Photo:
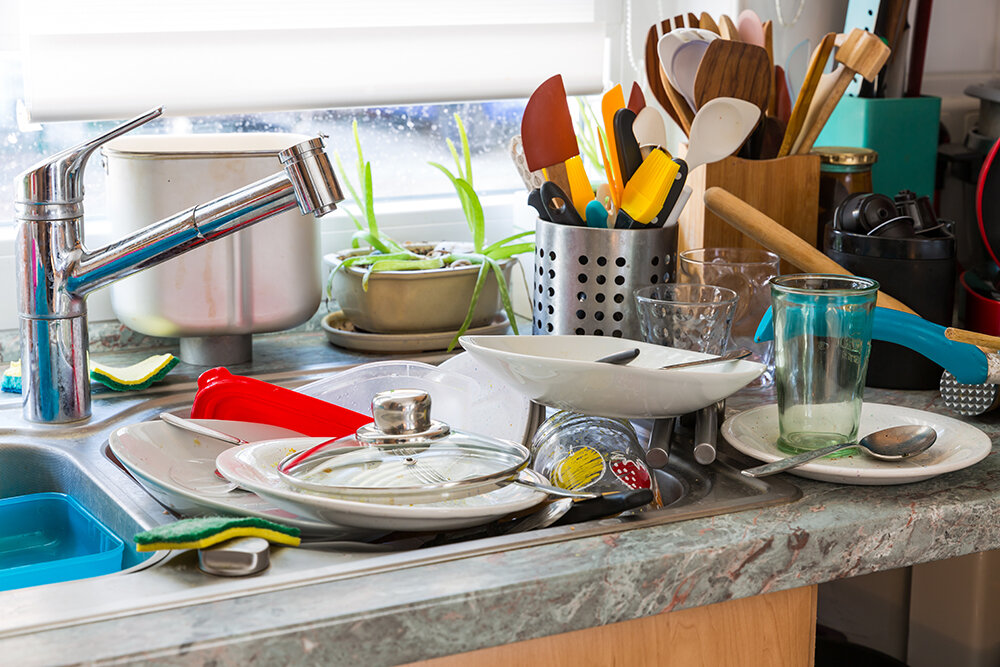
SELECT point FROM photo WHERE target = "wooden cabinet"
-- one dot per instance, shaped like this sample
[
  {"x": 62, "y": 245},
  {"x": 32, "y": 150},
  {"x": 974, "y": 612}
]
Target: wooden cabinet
[{"x": 771, "y": 630}]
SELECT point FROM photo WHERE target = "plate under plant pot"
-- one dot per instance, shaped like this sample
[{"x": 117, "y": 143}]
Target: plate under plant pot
[
  {"x": 342, "y": 332},
  {"x": 414, "y": 302}
]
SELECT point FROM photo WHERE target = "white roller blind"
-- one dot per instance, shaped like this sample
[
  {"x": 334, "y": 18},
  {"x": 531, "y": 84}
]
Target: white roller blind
[{"x": 94, "y": 59}]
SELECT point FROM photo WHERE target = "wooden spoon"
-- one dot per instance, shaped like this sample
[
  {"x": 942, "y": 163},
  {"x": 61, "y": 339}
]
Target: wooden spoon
[
  {"x": 801, "y": 107},
  {"x": 733, "y": 69},
  {"x": 653, "y": 70},
  {"x": 861, "y": 53},
  {"x": 706, "y": 22},
  {"x": 728, "y": 29},
  {"x": 772, "y": 97}
]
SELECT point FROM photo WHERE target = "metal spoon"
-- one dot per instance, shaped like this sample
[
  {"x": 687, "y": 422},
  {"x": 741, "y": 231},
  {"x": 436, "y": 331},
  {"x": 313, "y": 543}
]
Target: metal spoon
[
  {"x": 890, "y": 444},
  {"x": 194, "y": 427},
  {"x": 733, "y": 355}
]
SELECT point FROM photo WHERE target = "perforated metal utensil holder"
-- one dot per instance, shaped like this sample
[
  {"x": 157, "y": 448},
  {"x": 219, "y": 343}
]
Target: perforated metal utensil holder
[{"x": 585, "y": 277}]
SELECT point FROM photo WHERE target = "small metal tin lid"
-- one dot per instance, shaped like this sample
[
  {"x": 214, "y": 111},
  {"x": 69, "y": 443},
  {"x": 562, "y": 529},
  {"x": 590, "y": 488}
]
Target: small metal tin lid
[
  {"x": 846, "y": 156},
  {"x": 239, "y": 557}
]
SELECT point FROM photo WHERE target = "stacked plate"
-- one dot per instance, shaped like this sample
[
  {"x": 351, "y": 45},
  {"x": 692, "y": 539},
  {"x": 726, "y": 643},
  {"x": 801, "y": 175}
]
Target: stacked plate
[{"x": 178, "y": 468}]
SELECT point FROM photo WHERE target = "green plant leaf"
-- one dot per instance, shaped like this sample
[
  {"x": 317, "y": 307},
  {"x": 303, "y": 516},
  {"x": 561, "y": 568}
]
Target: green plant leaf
[
  {"x": 354, "y": 219},
  {"x": 372, "y": 241},
  {"x": 494, "y": 246},
  {"x": 347, "y": 181},
  {"x": 454, "y": 156},
  {"x": 370, "y": 201},
  {"x": 470, "y": 206},
  {"x": 484, "y": 270},
  {"x": 506, "y": 252},
  {"x": 360, "y": 165},
  {"x": 466, "y": 153},
  {"x": 364, "y": 279},
  {"x": 504, "y": 294},
  {"x": 407, "y": 264}
]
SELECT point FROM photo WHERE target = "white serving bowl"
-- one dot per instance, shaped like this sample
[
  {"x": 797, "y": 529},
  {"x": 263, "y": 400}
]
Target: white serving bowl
[{"x": 561, "y": 372}]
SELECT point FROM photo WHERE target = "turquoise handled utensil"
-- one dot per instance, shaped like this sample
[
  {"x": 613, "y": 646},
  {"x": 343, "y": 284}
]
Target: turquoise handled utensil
[{"x": 967, "y": 363}]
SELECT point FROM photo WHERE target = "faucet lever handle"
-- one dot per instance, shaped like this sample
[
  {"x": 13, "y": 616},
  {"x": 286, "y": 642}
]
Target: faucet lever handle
[{"x": 59, "y": 178}]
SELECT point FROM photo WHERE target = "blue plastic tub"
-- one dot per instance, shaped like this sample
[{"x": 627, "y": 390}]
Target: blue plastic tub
[{"x": 50, "y": 537}]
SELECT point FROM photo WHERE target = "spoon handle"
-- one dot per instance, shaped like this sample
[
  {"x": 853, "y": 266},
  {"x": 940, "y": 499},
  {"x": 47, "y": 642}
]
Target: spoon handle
[
  {"x": 794, "y": 461},
  {"x": 194, "y": 427}
]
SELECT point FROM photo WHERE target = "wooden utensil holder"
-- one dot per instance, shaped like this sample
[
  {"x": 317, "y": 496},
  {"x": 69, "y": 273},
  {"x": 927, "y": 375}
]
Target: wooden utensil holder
[{"x": 786, "y": 189}]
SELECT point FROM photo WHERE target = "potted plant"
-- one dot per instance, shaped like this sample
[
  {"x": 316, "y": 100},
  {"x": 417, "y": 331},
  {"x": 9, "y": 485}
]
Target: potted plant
[{"x": 391, "y": 287}]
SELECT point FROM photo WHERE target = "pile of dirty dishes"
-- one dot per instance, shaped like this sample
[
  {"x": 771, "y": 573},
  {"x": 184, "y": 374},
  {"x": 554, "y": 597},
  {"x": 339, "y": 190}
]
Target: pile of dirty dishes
[{"x": 180, "y": 469}]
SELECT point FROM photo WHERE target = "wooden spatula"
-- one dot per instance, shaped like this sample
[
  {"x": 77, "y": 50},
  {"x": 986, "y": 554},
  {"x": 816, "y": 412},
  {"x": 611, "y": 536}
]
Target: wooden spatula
[
  {"x": 801, "y": 107},
  {"x": 549, "y": 141},
  {"x": 733, "y": 69},
  {"x": 653, "y": 70},
  {"x": 861, "y": 53}
]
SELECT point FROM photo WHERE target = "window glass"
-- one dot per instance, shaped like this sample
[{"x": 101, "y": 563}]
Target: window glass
[{"x": 398, "y": 141}]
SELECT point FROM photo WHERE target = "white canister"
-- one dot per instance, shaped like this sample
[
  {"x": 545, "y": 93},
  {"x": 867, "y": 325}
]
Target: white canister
[{"x": 266, "y": 278}]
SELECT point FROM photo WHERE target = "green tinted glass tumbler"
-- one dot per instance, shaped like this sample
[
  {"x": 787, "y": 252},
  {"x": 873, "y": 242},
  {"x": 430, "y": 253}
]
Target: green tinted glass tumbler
[{"x": 822, "y": 338}]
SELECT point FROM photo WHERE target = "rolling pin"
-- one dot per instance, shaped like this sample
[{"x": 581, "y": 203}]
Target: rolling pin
[
  {"x": 766, "y": 231},
  {"x": 966, "y": 399}
]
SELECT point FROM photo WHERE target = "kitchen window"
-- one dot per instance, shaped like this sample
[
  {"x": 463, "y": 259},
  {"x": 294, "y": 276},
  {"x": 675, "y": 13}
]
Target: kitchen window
[{"x": 399, "y": 68}]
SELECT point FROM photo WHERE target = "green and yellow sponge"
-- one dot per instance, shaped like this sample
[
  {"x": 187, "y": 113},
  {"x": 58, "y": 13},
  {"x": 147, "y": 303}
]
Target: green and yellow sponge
[
  {"x": 120, "y": 378},
  {"x": 135, "y": 377},
  {"x": 207, "y": 531}
]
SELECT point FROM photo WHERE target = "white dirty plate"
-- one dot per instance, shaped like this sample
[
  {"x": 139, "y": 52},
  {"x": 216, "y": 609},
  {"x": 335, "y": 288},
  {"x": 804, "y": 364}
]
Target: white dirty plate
[
  {"x": 562, "y": 372},
  {"x": 177, "y": 468},
  {"x": 958, "y": 445},
  {"x": 254, "y": 467}
]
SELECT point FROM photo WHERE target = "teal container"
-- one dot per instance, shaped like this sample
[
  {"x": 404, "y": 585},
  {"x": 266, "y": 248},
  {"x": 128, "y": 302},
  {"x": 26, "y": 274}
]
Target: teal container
[
  {"x": 49, "y": 537},
  {"x": 904, "y": 131}
]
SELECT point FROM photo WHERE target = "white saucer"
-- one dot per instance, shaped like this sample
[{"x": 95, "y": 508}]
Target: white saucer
[
  {"x": 340, "y": 331},
  {"x": 254, "y": 467},
  {"x": 177, "y": 468},
  {"x": 958, "y": 445}
]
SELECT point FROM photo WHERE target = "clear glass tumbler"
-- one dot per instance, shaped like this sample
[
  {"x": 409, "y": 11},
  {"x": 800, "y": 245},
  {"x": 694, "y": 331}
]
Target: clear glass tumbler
[
  {"x": 687, "y": 317},
  {"x": 822, "y": 337},
  {"x": 746, "y": 271}
]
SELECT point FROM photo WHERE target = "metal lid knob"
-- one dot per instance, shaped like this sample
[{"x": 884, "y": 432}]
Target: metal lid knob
[{"x": 402, "y": 415}]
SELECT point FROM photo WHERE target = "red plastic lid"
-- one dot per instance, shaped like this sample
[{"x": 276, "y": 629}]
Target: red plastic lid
[{"x": 222, "y": 395}]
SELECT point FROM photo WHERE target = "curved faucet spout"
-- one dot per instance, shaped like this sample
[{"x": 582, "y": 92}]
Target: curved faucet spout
[{"x": 55, "y": 272}]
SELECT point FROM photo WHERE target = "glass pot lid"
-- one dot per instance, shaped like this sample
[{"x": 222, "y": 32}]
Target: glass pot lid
[{"x": 405, "y": 457}]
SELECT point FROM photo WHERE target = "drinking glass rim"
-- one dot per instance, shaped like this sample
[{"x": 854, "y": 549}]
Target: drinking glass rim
[
  {"x": 772, "y": 259},
  {"x": 781, "y": 283},
  {"x": 729, "y": 296}
]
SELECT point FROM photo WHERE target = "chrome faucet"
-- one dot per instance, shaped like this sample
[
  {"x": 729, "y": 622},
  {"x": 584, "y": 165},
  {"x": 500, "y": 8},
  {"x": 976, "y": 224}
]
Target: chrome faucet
[{"x": 55, "y": 272}]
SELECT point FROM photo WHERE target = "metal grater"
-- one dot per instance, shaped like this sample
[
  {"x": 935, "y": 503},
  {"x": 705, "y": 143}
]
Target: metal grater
[
  {"x": 970, "y": 400},
  {"x": 585, "y": 277}
]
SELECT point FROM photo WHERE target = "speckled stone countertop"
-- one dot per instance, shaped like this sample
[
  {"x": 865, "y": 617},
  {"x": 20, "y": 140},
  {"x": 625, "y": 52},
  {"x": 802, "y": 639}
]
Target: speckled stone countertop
[{"x": 833, "y": 531}]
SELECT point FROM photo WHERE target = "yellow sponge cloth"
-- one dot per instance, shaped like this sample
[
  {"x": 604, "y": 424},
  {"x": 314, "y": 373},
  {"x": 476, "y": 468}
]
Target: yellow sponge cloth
[
  {"x": 205, "y": 531},
  {"x": 120, "y": 378},
  {"x": 137, "y": 376}
]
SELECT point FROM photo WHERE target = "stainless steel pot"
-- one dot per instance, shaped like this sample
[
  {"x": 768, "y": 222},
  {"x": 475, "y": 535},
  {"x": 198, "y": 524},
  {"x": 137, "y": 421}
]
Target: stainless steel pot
[{"x": 264, "y": 279}]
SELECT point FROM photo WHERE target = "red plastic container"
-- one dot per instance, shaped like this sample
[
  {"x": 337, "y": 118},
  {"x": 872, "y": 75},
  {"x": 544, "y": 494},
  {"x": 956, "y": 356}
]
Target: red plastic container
[{"x": 222, "y": 395}]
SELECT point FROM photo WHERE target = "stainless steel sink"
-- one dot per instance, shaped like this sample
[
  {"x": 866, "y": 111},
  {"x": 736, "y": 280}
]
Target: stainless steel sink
[{"x": 75, "y": 460}]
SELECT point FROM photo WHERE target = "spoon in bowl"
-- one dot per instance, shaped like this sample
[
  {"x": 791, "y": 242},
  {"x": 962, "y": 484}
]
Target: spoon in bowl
[{"x": 891, "y": 444}]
